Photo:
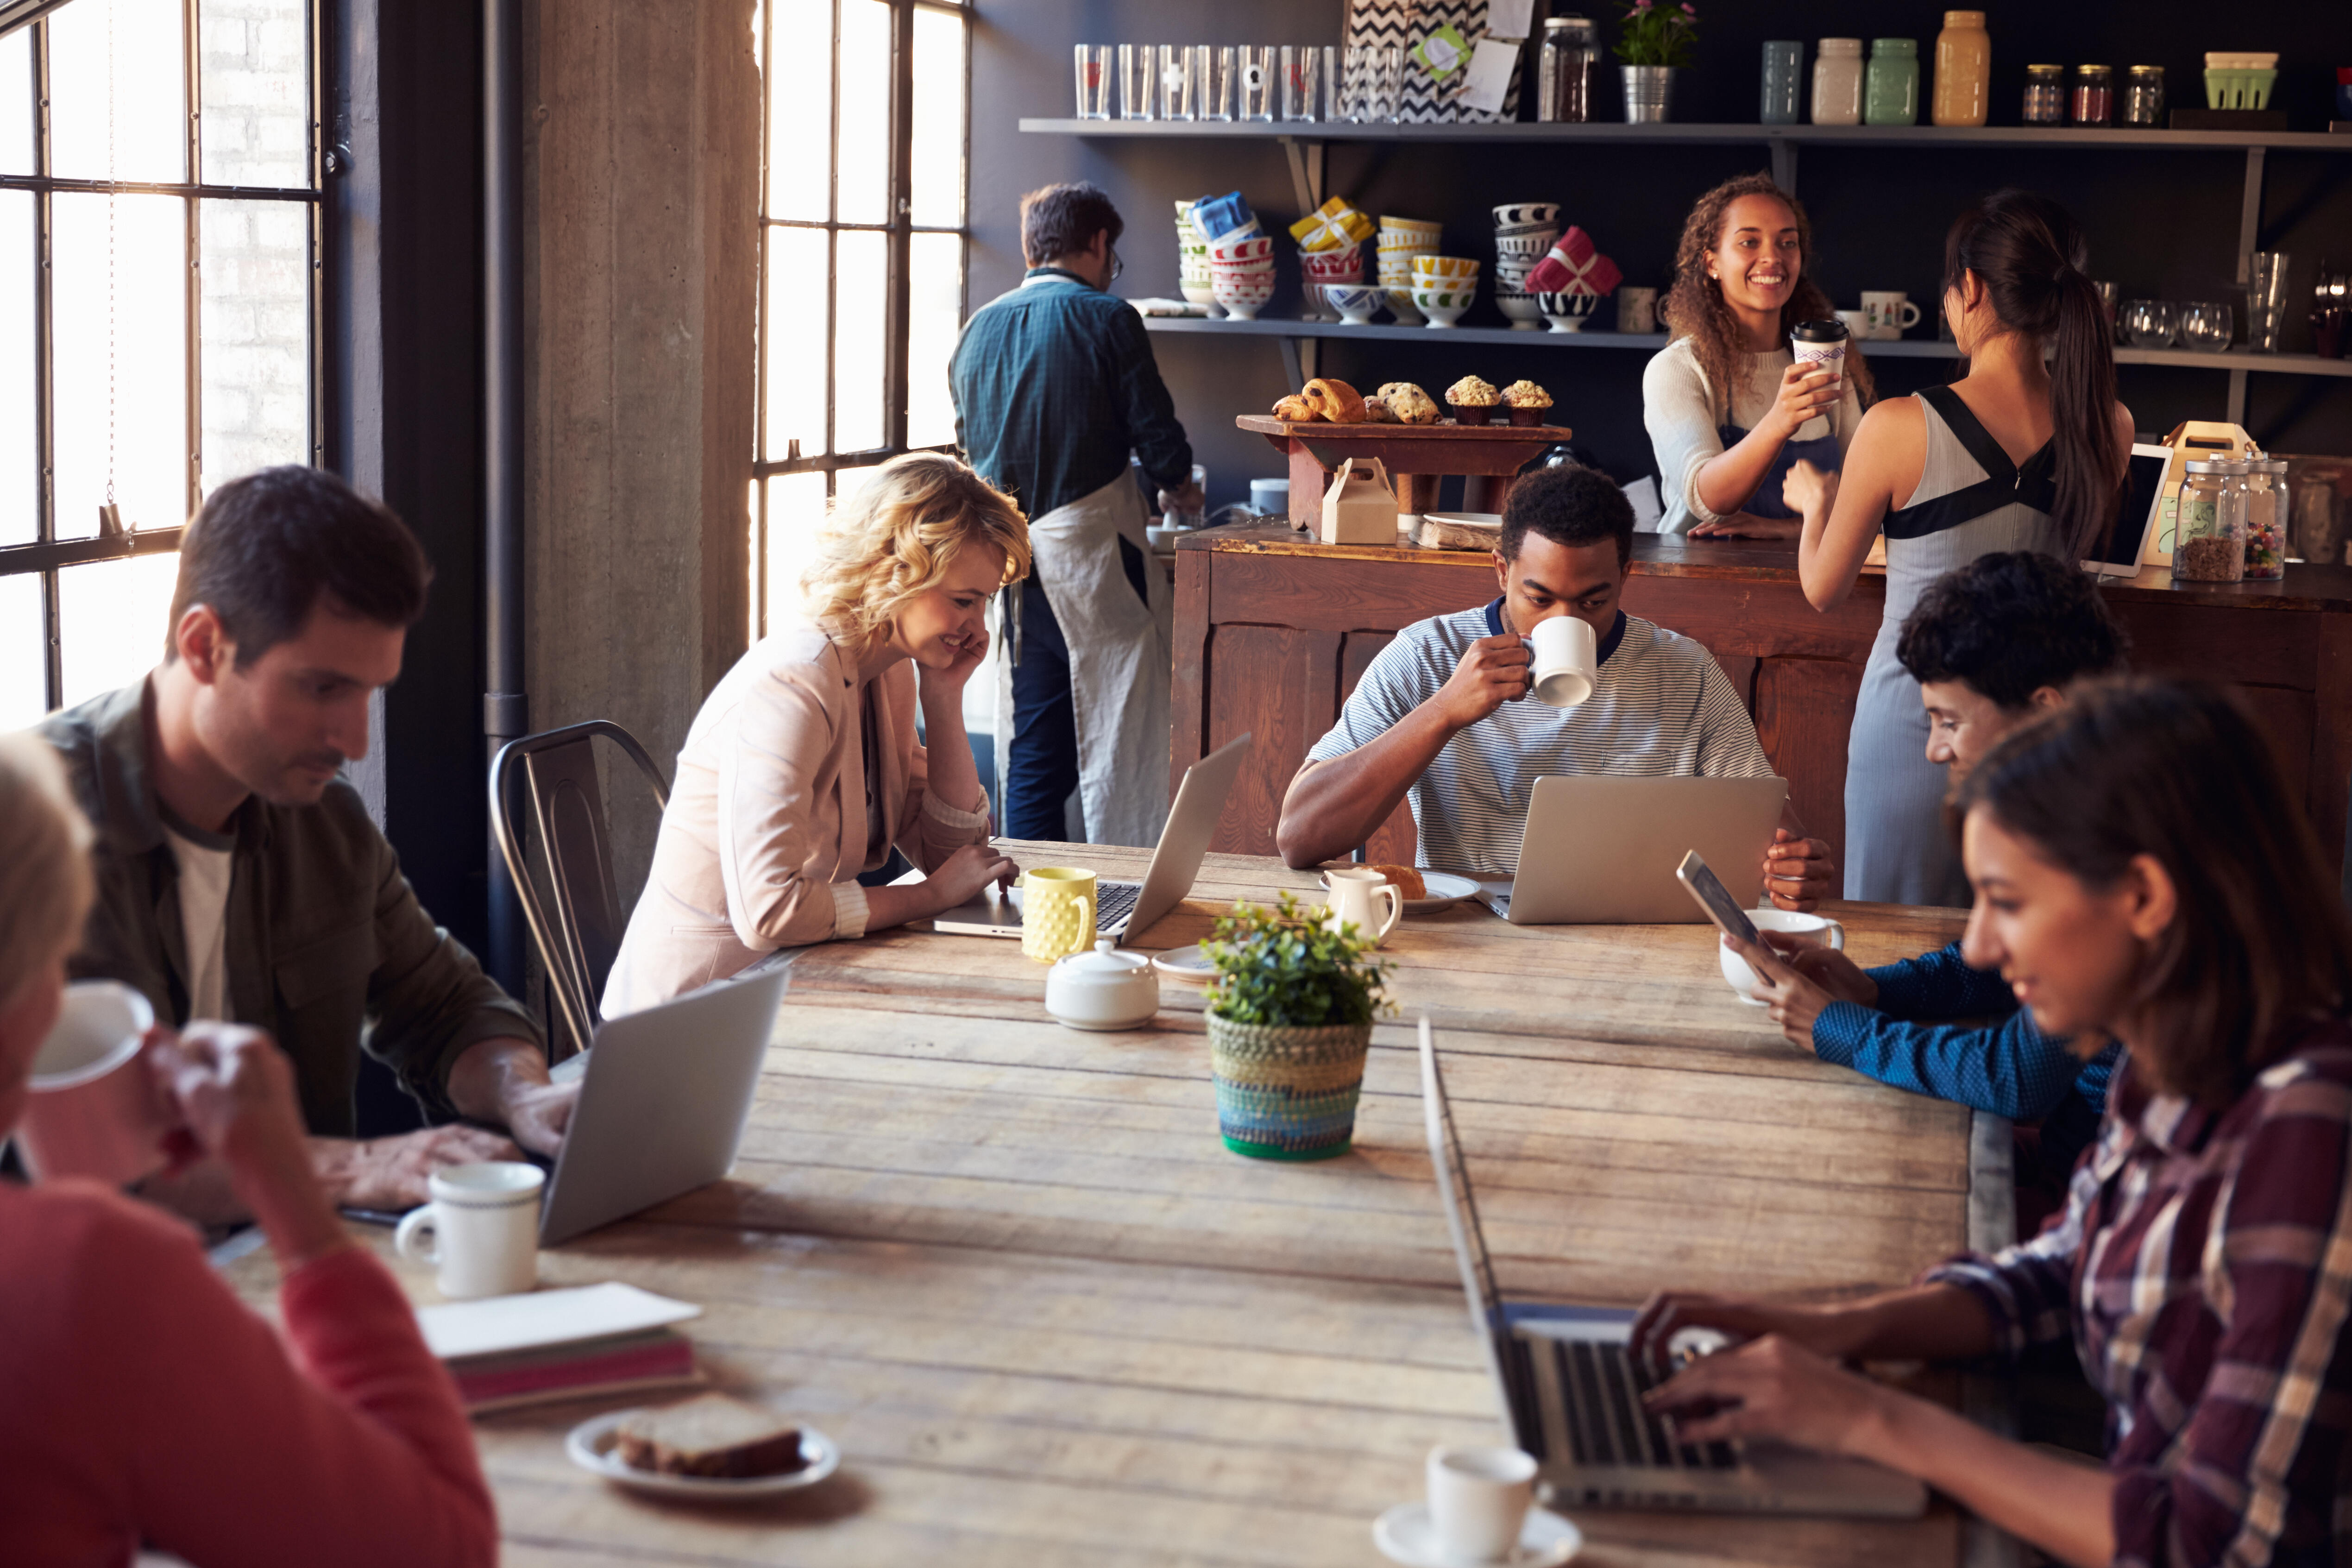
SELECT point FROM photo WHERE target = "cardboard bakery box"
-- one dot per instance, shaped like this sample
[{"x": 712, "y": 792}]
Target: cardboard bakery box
[{"x": 1359, "y": 508}]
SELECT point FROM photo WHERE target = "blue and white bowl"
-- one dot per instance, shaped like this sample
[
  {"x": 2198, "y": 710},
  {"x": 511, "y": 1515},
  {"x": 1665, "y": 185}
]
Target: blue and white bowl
[
  {"x": 1568, "y": 312},
  {"x": 1355, "y": 302}
]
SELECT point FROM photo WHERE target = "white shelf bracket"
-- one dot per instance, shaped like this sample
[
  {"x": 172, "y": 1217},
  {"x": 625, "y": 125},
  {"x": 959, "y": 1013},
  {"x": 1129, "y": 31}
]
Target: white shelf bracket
[
  {"x": 1305, "y": 172},
  {"x": 1784, "y": 163}
]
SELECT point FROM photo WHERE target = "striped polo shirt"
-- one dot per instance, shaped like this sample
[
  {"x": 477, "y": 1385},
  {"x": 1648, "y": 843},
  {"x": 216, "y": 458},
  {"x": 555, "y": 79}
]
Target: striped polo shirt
[{"x": 1660, "y": 709}]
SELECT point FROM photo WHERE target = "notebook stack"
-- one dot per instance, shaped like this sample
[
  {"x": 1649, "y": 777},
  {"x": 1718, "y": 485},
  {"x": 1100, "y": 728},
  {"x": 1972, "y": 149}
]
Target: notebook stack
[{"x": 547, "y": 1345}]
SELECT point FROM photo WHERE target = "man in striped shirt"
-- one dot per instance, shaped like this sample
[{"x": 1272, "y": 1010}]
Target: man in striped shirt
[{"x": 1438, "y": 720}]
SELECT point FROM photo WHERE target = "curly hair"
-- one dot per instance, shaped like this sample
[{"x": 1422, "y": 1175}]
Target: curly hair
[
  {"x": 1694, "y": 309},
  {"x": 2010, "y": 624},
  {"x": 899, "y": 536}
]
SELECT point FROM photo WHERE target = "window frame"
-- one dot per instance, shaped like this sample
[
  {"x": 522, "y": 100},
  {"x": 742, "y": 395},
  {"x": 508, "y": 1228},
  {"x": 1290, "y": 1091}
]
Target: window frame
[
  {"x": 49, "y": 555},
  {"x": 899, "y": 230}
]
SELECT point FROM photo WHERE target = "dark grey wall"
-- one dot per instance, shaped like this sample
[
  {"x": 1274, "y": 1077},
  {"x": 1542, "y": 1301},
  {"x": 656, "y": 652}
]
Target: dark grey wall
[{"x": 2161, "y": 226}]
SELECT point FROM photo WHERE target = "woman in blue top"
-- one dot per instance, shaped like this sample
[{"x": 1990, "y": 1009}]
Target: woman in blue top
[
  {"x": 1728, "y": 410},
  {"x": 2025, "y": 451}
]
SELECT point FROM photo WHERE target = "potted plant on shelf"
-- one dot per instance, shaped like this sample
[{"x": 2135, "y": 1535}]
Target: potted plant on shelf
[
  {"x": 1654, "y": 41},
  {"x": 1290, "y": 1023}
]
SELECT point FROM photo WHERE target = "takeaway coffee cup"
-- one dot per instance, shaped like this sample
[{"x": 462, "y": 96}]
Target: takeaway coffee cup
[
  {"x": 1564, "y": 661},
  {"x": 483, "y": 1226},
  {"x": 1822, "y": 344},
  {"x": 1818, "y": 930},
  {"x": 1478, "y": 1500},
  {"x": 95, "y": 1109}
]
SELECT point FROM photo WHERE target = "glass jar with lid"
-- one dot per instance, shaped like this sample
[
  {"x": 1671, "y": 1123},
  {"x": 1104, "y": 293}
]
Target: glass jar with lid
[
  {"x": 1891, "y": 93},
  {"x": 1837, "y": 82},
  {"x": 1963, "y": 70},
  {"x": 2209, "y": 523},
  {"x": 2046, "y": 95},
  {"x": 1564, "y": 88},
  {"x": 2143, "y": 104},
  {"x": 2094, "y": 95},
  {"x": 2267, "y": 518}
]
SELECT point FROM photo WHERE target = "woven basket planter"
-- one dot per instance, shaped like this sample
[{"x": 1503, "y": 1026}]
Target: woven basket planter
[{"x": 1287, "y": 1093}]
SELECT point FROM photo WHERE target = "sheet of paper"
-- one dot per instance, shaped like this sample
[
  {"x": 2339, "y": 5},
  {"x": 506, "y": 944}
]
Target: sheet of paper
[
  {"x": 502, "y": 1323},
  {"x": 1511, "y": 18},
  {"x": 1489, "y": 77}
]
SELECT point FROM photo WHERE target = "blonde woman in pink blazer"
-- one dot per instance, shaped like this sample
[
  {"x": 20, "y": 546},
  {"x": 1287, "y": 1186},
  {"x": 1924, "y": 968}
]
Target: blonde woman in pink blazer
[{"x": 803, "y": 769}]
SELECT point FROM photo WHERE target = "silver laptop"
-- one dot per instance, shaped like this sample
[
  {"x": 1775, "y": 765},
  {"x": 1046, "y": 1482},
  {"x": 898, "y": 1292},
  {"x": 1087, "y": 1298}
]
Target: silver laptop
[
  {"x": 1123, "y": 907},
  {"x": 1572, "y": 1392},
  {"x": 1602, "y": 851},
  {"x": 663, "y": 1102}
]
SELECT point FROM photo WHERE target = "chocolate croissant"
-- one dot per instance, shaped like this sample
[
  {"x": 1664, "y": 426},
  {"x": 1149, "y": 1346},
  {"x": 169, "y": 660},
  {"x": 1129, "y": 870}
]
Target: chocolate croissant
[
  {"x": 1335, "y": 401},
  {"x": 1295, "y": 409}
]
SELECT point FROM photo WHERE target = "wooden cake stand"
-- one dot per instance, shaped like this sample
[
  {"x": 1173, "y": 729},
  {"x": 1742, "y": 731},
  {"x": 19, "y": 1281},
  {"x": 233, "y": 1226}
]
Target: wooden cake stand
[{"x": 1488, "y": 457}]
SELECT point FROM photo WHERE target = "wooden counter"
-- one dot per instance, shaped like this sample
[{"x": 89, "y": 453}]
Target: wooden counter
[{"x": 1273, "y": 630}]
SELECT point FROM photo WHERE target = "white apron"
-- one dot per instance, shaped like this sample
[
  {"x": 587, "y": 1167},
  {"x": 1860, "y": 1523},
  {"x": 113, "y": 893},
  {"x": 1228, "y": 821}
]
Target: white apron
[{"x": 1120, "y": 657}]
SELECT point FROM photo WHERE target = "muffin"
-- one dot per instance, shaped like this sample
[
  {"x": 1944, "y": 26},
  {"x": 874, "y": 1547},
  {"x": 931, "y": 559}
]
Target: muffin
[
  {"x": 1377, "y": 411},
  {"x": 1526, "y": 402},
  {"x": 1408, "y": 402},
  {"x": 1473, "y": 402}
]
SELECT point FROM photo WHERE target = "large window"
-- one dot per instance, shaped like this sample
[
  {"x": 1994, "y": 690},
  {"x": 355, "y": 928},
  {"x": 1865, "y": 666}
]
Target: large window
[
  {"x": 159, "y": 248},
  {"x": 862, "y": 264}
]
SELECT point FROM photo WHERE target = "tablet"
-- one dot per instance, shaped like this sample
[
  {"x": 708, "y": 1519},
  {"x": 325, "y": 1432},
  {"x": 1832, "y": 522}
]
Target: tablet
[{"x": 2133, "y": 540}]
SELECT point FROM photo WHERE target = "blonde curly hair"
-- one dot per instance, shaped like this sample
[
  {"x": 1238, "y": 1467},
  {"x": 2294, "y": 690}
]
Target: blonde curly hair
[
  {"x": 899, "y": 536},
  {"x": 45, "y": 875}
]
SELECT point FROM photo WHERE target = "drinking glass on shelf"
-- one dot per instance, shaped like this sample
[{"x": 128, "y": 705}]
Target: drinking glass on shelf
[
  {"x": 1095, "y": 63},
  {"x": 1138, "y": 80},
  {"x": 1301, "y": 85},
  {"x": 2206, "y": 326},
  {"x": 1259, "y": 66},
  {"x": 1218, "y": 65},
  {"x": 1331, "y": 82},
  {"x": 1176, "y": 76},
  {"x": 2266, "y": 300},
  {"x": 1388, "y": 83},
  {"x": 2149, "y": 324}
]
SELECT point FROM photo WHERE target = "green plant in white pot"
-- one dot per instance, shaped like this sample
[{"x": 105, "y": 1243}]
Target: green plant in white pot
[{"x": 1290, "y": 1023}]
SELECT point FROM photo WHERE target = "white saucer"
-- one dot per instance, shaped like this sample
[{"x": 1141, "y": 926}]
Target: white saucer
[
  {"x": 1445, "y": 890},
  {"x": 1188, "y": 965},
  {"x": 591, "y": 1446},
  {"x": 1405, "y": 1535}
]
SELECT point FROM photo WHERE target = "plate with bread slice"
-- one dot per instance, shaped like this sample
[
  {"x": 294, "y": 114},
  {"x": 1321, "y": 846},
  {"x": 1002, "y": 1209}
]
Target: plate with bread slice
[
  {"x": 1423, "y": 892},
  {"x": 714, "y": 1446}
]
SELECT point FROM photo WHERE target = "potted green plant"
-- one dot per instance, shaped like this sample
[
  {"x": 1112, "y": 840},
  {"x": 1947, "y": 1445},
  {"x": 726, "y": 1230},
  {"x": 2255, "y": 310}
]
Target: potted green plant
[
  {"x": 1654, "y": 41},
  {"x": 1290, "y": 1023}
]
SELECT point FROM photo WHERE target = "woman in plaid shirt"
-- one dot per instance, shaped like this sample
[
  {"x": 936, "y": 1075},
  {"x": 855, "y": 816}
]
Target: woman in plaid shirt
[{"x": 2141, "y": 870}]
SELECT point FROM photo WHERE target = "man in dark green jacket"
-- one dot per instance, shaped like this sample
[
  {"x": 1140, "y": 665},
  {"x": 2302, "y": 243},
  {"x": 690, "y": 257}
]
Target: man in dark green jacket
[{"x": 240, "y": 878}]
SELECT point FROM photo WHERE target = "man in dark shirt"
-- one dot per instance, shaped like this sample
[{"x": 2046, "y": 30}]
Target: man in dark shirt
[{"x": 1054, "y": 386}]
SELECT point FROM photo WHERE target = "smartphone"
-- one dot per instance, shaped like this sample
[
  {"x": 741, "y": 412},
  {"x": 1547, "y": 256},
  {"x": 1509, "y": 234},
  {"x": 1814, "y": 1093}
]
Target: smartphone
[{"x": 1709, "y": 890}]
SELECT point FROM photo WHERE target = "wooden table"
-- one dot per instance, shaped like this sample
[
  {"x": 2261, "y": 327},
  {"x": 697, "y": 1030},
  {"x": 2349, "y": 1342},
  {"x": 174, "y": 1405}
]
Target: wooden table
[
  {"x": 1488, "y": 457},
  {"x": 1010, "y": 1269}
]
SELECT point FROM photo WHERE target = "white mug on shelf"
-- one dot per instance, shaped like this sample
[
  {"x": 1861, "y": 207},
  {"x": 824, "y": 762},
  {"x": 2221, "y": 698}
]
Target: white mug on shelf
[
  {"x": 1890, "y": 313},
  {"x": 1478, "y": 1500},
  {"x": 1355, "y": 893},
  {"x": 1818, "y": 930},
  {"x": 1637, "y": 309},
  {"x": 1856, "y": 322},
  {"x": 1564, "y": 661},
  {"x": 483, "y": 1223}
]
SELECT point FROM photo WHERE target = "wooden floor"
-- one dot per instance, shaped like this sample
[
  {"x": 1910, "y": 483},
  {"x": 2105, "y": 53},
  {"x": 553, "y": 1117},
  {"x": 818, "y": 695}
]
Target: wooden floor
[{"x": 1010, "y": 1267}]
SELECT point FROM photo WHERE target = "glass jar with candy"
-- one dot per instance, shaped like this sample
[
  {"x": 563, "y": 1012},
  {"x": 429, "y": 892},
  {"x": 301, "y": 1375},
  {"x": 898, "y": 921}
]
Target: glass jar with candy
[
  {"x": 2046, "y": 95},
  {"x": 2267, "y": 518},
  {"x": 2209, "y": 523}
]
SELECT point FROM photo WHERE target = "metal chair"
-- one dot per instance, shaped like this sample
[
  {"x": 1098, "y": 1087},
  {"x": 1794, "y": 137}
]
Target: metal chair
[{"x": 580, "y": 937}]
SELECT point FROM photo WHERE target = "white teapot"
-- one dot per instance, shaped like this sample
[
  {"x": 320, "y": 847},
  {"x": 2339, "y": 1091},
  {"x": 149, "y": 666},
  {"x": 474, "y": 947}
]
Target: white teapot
[{"x": 1105, "y": 989}]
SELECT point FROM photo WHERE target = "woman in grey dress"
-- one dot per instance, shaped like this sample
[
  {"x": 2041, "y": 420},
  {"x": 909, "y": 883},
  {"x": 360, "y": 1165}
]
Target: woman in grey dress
[{"x": 2024, "y": 452}]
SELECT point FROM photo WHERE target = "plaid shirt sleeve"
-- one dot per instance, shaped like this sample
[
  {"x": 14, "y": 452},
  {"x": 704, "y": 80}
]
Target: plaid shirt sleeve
[
  {"x": 2026, "y": 1290},
  {"x": 2270, "y": 1422}
]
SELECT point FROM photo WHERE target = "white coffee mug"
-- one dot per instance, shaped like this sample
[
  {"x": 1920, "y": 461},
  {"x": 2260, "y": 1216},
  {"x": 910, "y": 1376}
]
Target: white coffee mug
[
  {"x": 1565, "y": 658},
  {"x": 484, "y": 1224},
  {"x": 1856, "y": 322},
  {"x": 1478, "y": 1500},
  {"x": 1355, "y": 892},
  {"x": 95, "y": 1109},
  {"x": 1891, "y": 313},
  {"x": 1807, "y": 928},
  {"x": 1637, "y": 309}
]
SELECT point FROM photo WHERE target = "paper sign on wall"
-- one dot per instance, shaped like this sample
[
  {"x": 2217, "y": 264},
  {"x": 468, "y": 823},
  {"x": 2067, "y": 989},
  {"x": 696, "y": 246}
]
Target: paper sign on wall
[
  {"x": 1511, "y": 18},
  {"x": 1489, "y": 77}
]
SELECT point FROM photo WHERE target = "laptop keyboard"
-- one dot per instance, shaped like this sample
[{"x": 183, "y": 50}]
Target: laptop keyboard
[
  {"x": 1114, "y": 901},
  {"x": 1602, "y": 1387}
]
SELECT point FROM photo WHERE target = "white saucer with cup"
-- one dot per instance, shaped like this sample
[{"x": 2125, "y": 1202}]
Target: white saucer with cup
[
  {"x": 1477, "y": 1512},
  {"x": 1818, "y": 930},
  {"x": 1566, "y": 659},
  {"x": 483, "y": 1224}
]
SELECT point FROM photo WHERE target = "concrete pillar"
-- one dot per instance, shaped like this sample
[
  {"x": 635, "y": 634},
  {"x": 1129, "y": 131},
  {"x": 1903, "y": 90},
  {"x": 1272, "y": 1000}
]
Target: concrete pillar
[{"x": 641, "y": 227}]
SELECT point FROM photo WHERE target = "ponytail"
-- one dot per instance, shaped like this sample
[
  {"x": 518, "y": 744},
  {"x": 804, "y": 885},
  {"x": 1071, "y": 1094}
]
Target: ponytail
[{"x": 2029, "y": 255}]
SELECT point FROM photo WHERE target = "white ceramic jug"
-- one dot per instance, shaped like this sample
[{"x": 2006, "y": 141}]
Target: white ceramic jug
[{"x": 1355, "y": 892}]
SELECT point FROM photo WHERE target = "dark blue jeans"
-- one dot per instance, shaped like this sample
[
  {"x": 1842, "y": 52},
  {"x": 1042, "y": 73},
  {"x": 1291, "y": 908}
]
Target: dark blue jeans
[{"x": 1042, "y": 769}]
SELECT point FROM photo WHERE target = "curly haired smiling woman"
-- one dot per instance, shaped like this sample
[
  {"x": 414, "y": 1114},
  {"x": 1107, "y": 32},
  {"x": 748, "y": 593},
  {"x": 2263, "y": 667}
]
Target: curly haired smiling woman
[{"x": 803, "y": 769}]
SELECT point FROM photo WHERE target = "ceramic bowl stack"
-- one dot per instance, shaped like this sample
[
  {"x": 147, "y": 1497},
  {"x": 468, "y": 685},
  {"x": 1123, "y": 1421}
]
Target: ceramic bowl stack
[
  {"x": 1321, "y": 268},
  {"x": 1524, "y": 233},
  {"x": 1401, "y": 240},
  {"x": 1443, "y": 286},
  {"x": 1241, "y": 271},
  {"x": 1568, "y": 312},
  {"x": 1355, "y": 302},
  {"x": 1192, "y": 258}
]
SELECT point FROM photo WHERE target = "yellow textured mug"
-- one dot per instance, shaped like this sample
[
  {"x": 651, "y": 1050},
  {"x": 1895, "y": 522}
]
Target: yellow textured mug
[{"x": 1057, "y": 912}]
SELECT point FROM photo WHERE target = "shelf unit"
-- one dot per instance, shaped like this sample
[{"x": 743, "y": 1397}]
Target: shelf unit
[{"x": 1304, "y": 142}]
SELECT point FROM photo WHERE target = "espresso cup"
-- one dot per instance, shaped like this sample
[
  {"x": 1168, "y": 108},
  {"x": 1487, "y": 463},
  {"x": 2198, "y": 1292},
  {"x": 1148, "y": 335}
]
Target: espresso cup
[
  {"x": 1057, "y": 912},
  {"x": 1564, "y": 661},
  {"x": 1818, "y": 930},
  {"x": 483, "y": 1226},
  {"x": 95, "y": 1109},
  {"x": 1478, "y": 1500},
  {"x": 1891, "y": 313}
]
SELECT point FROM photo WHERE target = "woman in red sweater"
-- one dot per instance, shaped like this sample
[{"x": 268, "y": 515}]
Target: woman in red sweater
[{"x": 145, "y": 1404}]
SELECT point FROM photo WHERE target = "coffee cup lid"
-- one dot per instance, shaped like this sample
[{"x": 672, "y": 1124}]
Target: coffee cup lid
[{"x": 1819, "y": 333}]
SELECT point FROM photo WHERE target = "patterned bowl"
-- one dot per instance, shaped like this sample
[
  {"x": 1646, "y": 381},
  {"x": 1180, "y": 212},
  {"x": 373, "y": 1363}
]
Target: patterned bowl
[
  {"x": 1530, "y": 248},
  {"x": 1355, "y": 301},
  {"x": 1400, "y": 305},
  {"x": 1522, "y": 309},
  {"x": 1242, "y": 247},
  {"x": 1343, "y": 266},
  {"x": 1568, "y": 312},
  {"x": 1241, "y": 295},
  {"x": 1443, "y": 307},
  {"x": 1514, "y": 215},
  {"x": 1427, "y": 270}
]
